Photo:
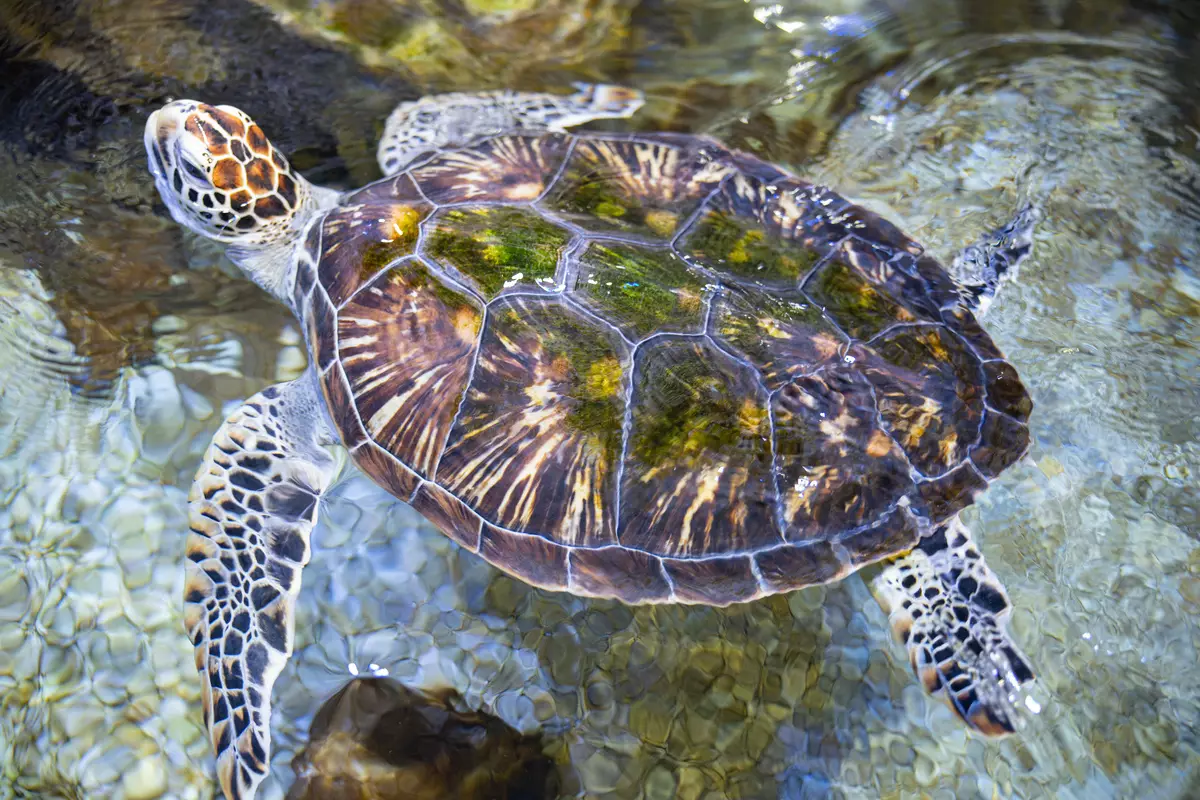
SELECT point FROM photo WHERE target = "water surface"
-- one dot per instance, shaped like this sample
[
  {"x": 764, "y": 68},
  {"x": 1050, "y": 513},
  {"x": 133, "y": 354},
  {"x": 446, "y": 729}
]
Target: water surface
[{"x": 124, "y": 342}]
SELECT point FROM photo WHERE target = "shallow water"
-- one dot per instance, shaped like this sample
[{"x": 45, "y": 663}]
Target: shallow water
[{"x": 123, "y": 343}]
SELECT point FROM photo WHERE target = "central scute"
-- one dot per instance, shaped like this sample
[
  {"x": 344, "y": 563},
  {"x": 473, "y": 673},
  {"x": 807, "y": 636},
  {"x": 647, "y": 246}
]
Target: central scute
[{"x": 648, "y": 367}]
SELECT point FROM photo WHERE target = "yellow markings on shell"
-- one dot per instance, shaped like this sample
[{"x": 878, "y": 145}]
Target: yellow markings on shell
[
  {"x": 739, "y": 253},
  {"x": 934, "y": 343},
  {"x": 466, "y": 324},
  {"x": 806, "y": 487},
  {"x": 835, "y": 429},
  {"x": 705, "y": 485},
  {"x": 689, "y": 301},
  {"x": 751, "y": 416},
  {"x": 604, "y": 378},
  {"x": 661, "y": 221},
  {"x": 917, "y": 419},
  {"x": 948, "y": 448},
  {"x": 879, "y": 445},
  {"x": 826, "y": 344},
  {"x": 541, "y": 393}
]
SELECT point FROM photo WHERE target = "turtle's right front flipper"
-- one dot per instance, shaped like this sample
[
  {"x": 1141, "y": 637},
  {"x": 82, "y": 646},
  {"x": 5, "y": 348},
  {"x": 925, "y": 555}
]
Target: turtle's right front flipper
[
  {"x": 252, "y": 509},
  {"x": 951, "y": 612}
]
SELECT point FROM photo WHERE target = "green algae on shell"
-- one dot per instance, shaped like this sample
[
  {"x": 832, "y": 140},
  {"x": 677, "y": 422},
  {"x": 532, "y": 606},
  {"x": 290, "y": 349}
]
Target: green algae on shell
[
  {"x": 497, "y": 247},
  {"x": 742, "y": 248},
  {"x": 642, "y": 290}
]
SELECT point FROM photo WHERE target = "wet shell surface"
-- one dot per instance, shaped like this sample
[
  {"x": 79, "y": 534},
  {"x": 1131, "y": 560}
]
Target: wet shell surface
[{"x": 648, "y": 367}]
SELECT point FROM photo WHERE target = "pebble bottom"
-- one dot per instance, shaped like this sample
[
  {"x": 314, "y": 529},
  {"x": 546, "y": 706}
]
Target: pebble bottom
[{"x": 794, "y": 697}]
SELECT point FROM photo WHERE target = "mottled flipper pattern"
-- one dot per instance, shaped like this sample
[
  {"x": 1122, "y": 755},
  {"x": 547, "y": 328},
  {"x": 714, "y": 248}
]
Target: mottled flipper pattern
[
  {"x": 252, "y": 509},
  {"x": 995, "y": 256},
  {"x": 440, "y": 121},
  {"x": 950, "y": 610}
]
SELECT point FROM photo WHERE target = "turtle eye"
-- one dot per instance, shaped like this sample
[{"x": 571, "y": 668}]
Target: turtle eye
[{"x": 194, "y": 171}]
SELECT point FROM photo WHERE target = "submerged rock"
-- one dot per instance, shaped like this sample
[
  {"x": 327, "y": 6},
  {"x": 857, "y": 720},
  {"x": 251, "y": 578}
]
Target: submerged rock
[{"x": 376, "y": 739}]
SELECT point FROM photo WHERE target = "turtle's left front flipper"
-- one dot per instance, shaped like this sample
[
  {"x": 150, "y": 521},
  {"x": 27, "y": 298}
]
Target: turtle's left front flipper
[
  {"x": 252, "y": 509},
  {"x": 951, "y": 612}
]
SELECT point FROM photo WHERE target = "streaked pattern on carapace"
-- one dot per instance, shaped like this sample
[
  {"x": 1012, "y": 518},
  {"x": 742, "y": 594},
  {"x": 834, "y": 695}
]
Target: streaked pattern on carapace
[
  {"x": 637, "y": 187},
  {"x": 538, "y": 442},
  {"x": 358, "y": 241},
  {"x": 509, "y": 168},
  {"x": 698, "y": 477},
  {"x": 782, "y": 333},
  {"x": 406, "y": 342},
  {"x": 929, "y": 391},
  {"x": 723, "y": 393},
  {"x": 838, "y": 468}
]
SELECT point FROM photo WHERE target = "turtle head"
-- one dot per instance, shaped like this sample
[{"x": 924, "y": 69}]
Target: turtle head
[{"x": 220, "y": 176}]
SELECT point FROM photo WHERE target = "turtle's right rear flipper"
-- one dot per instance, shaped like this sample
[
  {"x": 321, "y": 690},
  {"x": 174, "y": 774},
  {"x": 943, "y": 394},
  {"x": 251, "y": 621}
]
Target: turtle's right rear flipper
[{"x": 951, "y": 612}]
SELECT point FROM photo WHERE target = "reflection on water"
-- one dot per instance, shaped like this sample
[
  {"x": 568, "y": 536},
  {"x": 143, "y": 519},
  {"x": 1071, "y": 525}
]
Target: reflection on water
[{"x": 123, "y": 343}]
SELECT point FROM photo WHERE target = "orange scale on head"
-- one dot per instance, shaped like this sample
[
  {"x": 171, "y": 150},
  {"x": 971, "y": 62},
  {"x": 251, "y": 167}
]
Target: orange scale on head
[
  {"x": 268, "y": 207},
  {"x": 258, "y": 141},
  {"x": 260, "y": 177},
  {"x": 213, "y": 137},
  {"x": 240, "y": 201},
  {"x": 287, "y": 189},
  {"x": 226, "y": 120},
  {"x": 228, "y": 175}
]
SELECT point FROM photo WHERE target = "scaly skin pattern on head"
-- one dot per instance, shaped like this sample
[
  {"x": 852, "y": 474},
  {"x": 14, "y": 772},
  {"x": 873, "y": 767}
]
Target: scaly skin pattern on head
[{"x": 221, "y": 177}]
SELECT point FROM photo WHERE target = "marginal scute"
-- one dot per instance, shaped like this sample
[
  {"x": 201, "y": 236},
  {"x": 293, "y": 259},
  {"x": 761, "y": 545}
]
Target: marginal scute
[
  {"x": 533, "y": 559},
  {"x": 795, "y": 566},
  {"x": 341, "y": 406},
  {"x": 713, "y": 581},
  {"x": 941, "y": 498},
  {"x": 389, "y": 191},
  {"x": 497, "y": 247},
  {"x": 1002, "y": 442},
  {"x": 358, "y": 241},
  {"x": 781, "y": 333},
  {"x": 538, "y": 440},
  {"x": 512, "y": 168},
  {"x": 963, "y": 322},
  {"x": 896, "y": 533},
  {"x": 753, "y": 231},
  {"x": 697, "y": 474},
  {"x": 630, "y": 575},
  {"x": 406, "y": 342},
  {"x": 449, "y": 514},
  {"x": 306, "y": 277},
  {"x": 1005, "y": 392},
  {"x": 646, "y": 188},
  {"x": 838, "y": 470},
  {"x": 322, "y": 324},
  {"x": 385, "y": 470},
  {"x": 929, "y": 391},
  {"x": 641, "y": 290}
]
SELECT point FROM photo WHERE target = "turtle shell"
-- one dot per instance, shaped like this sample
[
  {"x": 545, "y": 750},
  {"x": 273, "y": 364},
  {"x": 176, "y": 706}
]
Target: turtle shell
[{"x": 651, "y": 368}]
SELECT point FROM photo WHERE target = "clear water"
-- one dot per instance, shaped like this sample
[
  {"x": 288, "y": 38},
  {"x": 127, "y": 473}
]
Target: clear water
[{"x": 124, "y": 342}]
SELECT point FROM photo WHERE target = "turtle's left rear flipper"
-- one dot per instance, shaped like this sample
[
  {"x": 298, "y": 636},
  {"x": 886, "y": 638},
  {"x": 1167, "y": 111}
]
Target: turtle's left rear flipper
[
  {"x": 251, "y": 510},
  {"x": 951, "y": 612},
  {"x": 997, "y": 255}
]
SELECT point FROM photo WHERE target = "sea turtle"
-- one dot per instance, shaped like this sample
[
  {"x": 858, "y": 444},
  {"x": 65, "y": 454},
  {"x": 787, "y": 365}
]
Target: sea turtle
[{"x": 642, "y": 366}]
